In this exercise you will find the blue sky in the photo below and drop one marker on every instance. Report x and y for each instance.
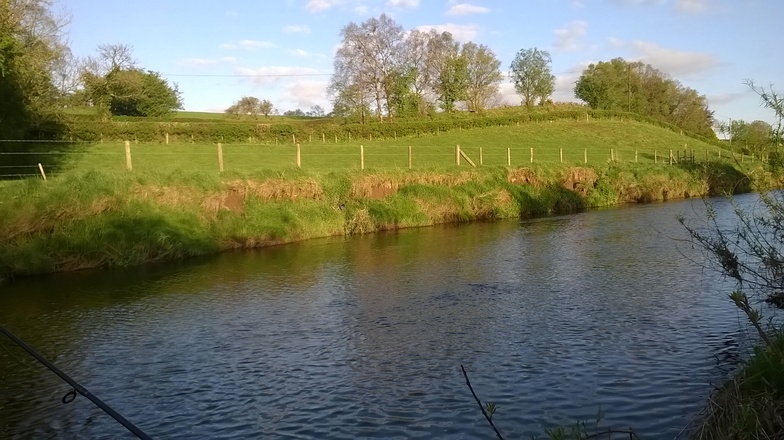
(283, 50)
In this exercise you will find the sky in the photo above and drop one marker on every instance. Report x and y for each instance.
(219, 51)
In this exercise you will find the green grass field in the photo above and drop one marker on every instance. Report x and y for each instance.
(597, 140)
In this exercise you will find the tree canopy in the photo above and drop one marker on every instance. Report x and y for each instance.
(31, 51)
(115, 85)
(381, 69)
(251, 106)
(532, 75)
(637, 87)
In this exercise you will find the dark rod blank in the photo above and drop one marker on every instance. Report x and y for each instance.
(79, 389)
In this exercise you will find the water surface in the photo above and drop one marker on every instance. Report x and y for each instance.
(553, 318)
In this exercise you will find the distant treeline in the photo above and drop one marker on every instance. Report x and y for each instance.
(325, 129)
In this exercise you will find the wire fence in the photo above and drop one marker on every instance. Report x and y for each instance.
(26, 159)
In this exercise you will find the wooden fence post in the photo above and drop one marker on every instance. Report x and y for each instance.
(585, 155)
(41, 169)
(361, 157)
(635, 156)
(293, 139)
(481, 159)
(457, 155)
(409, 157)
(670, 157)
(508, 157)
(167, 138)
(612, 155)
(655, 156)
(128, 164)
(220, 157)
(561, 153)
(101, 137)
(323, 138)
(532, 154)
(299, 157)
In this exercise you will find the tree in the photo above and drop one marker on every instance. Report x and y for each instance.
(453, 82)
(532, 75)
(251, 106)
(316, 111)
(114, 85)
(752, 138)
(31, 48)
(618, 85)
(774, 101)
(266, 108)
(368, 54)
(483, 75)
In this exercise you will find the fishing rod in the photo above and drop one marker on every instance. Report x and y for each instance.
(71, 395)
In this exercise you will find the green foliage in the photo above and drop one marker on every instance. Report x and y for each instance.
(132, 92)
(618, 85)
(250, 106)
(483, 75)
(453, 82)
(30, 51)
(531, 73)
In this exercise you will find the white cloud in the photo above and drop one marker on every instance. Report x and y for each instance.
(570, 37)
(403, 4)
(675, 62)
(272, 74)
(461, 32)
(296, 29)
(507, 94)
(306, 93)
(615, 43)
(254, 44)
(300, 53)
(725, 98)
(564, 83)
(315, 6)
(467, 9)
(691, 6)
(638, 2)
(247, 45)
(198, 62)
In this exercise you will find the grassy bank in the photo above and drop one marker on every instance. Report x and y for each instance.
(90, 218)
(751, 405)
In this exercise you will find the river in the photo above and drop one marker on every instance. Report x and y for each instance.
(555, 319)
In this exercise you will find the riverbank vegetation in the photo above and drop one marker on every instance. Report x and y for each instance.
(751, 252)
(92, 218)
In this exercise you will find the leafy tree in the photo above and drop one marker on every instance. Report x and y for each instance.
(453, 82)
(368, 55)
(483, 75)
(250, 106)
(266, 108)
(774, 101)
(403, 99)
(532, 75)
(298, 113)
(637, 87)
(316, 111)
(31, 48)
(752, 138)
(115, 85)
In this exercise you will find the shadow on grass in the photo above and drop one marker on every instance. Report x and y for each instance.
(20, 159)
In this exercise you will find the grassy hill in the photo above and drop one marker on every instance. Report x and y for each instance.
(599, 141)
